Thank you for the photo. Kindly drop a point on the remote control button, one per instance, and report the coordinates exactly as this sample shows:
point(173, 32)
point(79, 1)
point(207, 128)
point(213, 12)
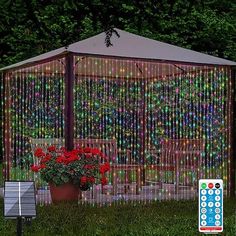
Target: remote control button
point(217, 191)
point(203, 185)
point(217, 217)
point(203, 198)
point(217, 198)
point(203, 223)
point(217, 222)
point(217, 210)
point(203, 204)
point(203, 192)
point(203, 210)
point(210, 185)
point(210, 192)
point(217, 204)
point(204, 217)
point(217, 185)
point(210, 204)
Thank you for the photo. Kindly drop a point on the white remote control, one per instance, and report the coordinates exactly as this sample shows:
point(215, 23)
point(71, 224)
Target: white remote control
point(210, 207)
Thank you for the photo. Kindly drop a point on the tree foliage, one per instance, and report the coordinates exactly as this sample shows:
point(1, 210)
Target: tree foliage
point(31, 27)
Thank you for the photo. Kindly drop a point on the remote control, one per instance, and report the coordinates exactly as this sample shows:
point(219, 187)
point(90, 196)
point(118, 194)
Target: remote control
point(210, 207)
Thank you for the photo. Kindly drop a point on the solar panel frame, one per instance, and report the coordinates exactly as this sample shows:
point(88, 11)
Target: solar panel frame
point(20, 199)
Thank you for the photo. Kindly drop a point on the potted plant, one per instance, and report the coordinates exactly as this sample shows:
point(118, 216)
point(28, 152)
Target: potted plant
point(69, 172)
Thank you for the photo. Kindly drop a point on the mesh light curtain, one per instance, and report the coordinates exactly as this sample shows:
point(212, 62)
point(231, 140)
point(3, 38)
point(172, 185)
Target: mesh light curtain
point(170, 123)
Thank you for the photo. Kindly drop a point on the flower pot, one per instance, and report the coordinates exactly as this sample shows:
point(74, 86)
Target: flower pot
point(65, 192)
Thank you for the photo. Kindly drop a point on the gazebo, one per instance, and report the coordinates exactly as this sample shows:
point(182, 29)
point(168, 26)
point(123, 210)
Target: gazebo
point(154, 100)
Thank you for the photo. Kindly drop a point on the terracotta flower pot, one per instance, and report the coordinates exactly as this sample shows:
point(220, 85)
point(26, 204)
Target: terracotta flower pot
point(65, 192)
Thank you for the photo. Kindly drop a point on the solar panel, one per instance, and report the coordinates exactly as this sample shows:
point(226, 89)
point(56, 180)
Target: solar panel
point(19, 199)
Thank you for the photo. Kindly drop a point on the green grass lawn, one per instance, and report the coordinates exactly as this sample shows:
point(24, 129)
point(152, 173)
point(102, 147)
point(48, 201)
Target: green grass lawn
point(158, 218)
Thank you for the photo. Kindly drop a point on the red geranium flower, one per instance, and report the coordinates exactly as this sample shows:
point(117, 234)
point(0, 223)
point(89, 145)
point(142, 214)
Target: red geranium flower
point(51, 148)
point(80, 151)
point(88, 155)
point(67, 154)
point(83, 180)
point(71, 159)
point(95, 151)
point(46, 158)
point(80, 160)
point(87, 150)
point(35, 168)
point(39, 152)
point(91, 179)
point(104, 168)
point(60, 159)
point(103, 180)
point(42, 166)
point(75, 152)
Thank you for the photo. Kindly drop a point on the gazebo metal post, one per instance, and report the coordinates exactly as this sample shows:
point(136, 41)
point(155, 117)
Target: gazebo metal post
point(231, 181)
point(69, 108)
point(7, 135)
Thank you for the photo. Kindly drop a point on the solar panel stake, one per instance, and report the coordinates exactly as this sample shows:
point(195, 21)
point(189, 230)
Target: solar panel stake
point(28, 221)
point(19, 226)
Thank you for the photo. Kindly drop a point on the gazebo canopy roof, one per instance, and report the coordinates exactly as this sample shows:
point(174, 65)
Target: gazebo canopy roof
point(128, 45)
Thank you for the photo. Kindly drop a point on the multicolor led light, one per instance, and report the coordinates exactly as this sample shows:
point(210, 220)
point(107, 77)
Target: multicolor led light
point(138, 103)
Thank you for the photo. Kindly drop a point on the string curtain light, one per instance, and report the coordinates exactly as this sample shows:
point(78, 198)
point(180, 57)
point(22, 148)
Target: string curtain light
point(153, 110)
